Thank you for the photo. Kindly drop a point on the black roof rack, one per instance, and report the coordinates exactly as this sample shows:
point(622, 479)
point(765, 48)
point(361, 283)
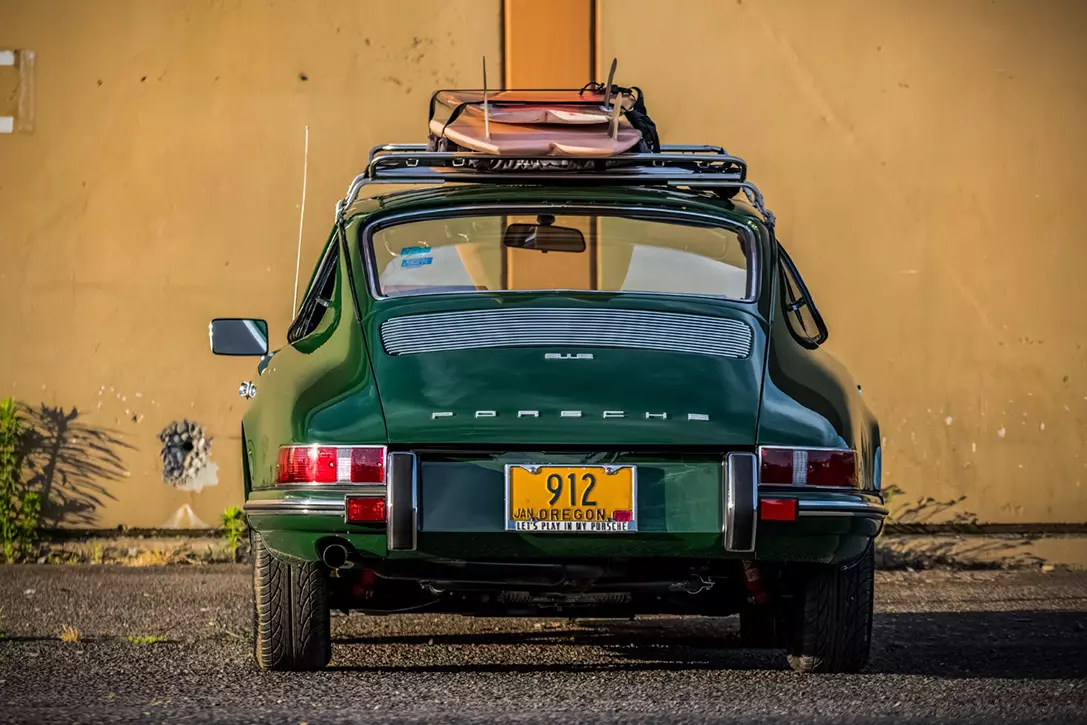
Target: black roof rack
point(689, 166)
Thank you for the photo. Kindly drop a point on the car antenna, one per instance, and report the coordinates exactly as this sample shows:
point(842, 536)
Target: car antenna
point(486, 115)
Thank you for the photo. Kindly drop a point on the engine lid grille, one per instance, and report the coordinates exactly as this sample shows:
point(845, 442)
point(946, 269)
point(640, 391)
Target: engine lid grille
point(633, 329)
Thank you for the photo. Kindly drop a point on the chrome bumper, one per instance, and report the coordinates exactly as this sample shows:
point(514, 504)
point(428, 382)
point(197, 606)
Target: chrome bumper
point(304, 503)
point(740, 515)
point(335, 507)
point(859, 507)
point(296, 506)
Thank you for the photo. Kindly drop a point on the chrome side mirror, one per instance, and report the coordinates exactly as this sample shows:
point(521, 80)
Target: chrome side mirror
point(236, 336)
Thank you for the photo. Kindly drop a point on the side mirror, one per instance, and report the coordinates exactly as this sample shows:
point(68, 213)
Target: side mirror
point(235, 336)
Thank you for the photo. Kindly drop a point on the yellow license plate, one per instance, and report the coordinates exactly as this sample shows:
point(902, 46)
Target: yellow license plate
point(572, 499)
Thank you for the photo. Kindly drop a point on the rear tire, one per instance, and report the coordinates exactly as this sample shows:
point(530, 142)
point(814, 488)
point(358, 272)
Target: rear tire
point(830, 619)
point(290, 613)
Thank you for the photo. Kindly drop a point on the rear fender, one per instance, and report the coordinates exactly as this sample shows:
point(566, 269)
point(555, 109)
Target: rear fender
point(318, 389)
point(810, 399)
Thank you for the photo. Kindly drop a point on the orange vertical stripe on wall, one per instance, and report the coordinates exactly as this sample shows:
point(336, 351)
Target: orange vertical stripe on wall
point(549, 45)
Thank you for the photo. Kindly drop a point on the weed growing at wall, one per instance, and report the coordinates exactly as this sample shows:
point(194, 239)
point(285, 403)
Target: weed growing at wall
point(20, 506)
point(234, 528)
point(69, 634)
point(139, 639)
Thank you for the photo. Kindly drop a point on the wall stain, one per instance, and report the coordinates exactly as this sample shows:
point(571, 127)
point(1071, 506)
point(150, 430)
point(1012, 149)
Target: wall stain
point(186, 456)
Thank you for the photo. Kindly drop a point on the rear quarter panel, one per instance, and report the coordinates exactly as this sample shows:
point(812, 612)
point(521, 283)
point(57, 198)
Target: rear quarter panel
point(810, 399)
point(319, 389)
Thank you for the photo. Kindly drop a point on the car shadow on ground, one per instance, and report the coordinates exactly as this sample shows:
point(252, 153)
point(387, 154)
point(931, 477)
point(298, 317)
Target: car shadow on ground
point(1019, 644)
point(1014, 645)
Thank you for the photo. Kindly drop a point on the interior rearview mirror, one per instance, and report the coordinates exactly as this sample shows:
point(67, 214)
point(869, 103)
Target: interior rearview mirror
point(544, 238)
point(238, 336)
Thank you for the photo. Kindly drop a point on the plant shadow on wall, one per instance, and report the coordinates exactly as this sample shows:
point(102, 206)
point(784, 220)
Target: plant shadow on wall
point(69, 463)
point(915, 548)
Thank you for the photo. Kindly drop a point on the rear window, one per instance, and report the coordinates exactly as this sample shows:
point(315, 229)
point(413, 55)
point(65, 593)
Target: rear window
point(540, 252)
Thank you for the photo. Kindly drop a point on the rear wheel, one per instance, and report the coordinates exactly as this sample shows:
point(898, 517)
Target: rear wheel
point(830, 619)
point(290, 613)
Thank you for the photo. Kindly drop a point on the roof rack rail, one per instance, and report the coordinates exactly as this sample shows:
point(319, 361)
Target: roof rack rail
point(689, 166)
point(413, 148)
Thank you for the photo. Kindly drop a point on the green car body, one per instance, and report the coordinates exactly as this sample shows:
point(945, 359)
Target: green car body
point(459, 412)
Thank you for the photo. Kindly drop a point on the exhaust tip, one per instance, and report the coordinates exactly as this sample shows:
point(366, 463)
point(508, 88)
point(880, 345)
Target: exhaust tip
point(335, 556)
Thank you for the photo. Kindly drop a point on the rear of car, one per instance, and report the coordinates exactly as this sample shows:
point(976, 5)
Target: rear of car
point(589, 403)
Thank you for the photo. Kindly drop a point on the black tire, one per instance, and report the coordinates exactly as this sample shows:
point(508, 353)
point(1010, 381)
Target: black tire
point(761, 627)
point(290, 613)
point(830, 619)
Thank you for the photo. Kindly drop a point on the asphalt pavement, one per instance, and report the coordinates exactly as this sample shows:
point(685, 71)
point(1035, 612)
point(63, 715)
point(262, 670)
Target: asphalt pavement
point(992, 646)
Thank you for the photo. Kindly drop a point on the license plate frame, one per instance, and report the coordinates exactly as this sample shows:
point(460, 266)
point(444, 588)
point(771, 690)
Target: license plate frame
point(517, 525)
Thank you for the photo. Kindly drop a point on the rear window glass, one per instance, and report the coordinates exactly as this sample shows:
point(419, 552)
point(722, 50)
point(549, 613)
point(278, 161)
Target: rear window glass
point(526, 252)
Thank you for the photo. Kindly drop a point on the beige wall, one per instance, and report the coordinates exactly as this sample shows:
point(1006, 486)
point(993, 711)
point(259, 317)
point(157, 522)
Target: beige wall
point(161, 187)
point(926, 160)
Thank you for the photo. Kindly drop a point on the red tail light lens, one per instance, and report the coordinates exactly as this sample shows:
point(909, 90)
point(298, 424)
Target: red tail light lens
point(773, 509)
point(331, 464)
point(368, 465)
point(365, 510)
point(808, 466)
point(306, 464)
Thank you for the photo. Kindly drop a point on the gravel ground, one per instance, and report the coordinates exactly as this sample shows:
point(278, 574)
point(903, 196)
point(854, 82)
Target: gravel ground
point(999, 646)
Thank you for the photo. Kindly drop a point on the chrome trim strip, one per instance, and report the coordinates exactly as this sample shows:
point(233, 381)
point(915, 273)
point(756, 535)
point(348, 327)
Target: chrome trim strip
point(414, 503)
point(843, 449)
point(401, 535)
point(302, 506)
point(738, 513)
point(306, 489)
point(808, 507)
point(727, 504)
point(567, 327)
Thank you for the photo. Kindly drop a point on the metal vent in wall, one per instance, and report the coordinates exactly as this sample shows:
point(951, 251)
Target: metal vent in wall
point(637, 329)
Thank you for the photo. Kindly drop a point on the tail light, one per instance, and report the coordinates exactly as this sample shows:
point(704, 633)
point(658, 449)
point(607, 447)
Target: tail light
point(778, 509)
point(365, 510)
point(808, 466)
point(331, 464)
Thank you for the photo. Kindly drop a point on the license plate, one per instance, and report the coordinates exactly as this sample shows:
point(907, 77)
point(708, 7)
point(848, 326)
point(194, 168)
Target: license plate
point(572, 499)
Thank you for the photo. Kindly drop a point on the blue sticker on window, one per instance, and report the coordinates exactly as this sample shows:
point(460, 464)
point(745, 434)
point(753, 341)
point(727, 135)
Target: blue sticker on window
point(414, 250)
point(416, 261)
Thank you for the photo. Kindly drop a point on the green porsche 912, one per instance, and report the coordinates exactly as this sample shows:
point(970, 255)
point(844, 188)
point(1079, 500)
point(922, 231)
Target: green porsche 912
point(557, 377)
